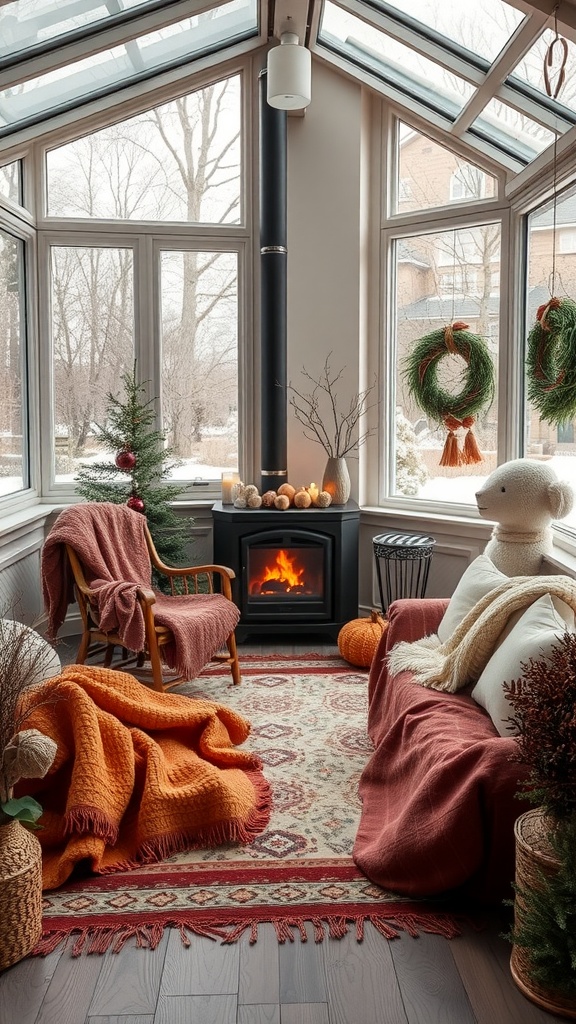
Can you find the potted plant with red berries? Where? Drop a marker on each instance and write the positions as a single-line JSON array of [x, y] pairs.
[[543, 960]]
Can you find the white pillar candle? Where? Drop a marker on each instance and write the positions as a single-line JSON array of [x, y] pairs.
[[229, 482]]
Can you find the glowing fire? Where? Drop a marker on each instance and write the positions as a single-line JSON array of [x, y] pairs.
[[284, 571]]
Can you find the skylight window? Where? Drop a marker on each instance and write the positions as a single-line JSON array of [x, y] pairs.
[[28, 24], [394, 62], [530, 70], [483, 27], [474, 70], [108, 69], [513, 131]]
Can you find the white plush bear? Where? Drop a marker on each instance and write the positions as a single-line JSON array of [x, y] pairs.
[[523, 497]]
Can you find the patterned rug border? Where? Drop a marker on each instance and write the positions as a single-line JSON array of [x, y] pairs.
[[333, 906], [225, 899], [252, 664]]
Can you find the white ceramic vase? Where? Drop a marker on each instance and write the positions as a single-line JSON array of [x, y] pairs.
[[336, 480]]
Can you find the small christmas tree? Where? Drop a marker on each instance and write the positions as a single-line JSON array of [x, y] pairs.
[[136, 473]]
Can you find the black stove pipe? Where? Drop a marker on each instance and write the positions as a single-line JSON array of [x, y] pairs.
[[273, 291]]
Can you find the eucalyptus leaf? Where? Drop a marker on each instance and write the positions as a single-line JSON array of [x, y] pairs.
[[24, 808]]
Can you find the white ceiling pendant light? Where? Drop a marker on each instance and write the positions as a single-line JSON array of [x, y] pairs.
[[289, 74]]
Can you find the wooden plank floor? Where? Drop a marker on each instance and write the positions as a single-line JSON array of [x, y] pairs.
[[428, 980]]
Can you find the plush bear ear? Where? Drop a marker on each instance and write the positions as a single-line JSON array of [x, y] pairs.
[[560, 499]]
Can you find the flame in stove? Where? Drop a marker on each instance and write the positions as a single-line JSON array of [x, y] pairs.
[[284, 571]]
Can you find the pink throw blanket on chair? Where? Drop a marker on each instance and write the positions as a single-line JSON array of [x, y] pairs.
[[111, 545]]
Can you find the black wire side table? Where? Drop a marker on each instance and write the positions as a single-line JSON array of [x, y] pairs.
[[406, 558]]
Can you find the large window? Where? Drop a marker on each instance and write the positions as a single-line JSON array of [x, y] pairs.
[[13, 424], [178, 162], [551, 272], [92, 303], [199, 299], [439, 277], [128, 283]]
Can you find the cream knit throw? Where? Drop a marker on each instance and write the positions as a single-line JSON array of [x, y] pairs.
[[463, 657]]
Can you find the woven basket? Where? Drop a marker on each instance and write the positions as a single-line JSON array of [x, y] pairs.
[[533, 855], [20, 892]]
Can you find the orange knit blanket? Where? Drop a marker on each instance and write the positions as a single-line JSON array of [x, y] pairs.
[[138, 774]]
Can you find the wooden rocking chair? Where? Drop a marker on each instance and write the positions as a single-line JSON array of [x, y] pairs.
[[186, 581]]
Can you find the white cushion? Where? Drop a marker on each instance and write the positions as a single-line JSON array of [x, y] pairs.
[[39, 659], [479, 579], [533, 635]]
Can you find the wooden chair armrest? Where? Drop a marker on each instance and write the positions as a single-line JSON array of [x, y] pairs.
[[189, 570], [196, 570]]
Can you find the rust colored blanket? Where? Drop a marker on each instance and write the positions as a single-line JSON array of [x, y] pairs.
[[138, 774], [110, 542], [439, 793]]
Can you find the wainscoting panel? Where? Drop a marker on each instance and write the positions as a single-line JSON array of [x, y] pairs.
[[20, 590], [457, 544]]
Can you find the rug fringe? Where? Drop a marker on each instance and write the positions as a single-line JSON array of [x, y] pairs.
[[106, 939]]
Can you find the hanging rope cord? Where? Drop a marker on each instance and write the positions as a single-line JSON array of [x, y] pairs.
[[551, 348], [553, 91]]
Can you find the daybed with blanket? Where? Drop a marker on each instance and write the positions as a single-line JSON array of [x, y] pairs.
[[439, 794]]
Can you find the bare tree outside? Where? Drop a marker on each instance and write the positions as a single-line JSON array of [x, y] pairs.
[[11, 297], [178, 163], [10, 181], [199, 353], [93, 324]]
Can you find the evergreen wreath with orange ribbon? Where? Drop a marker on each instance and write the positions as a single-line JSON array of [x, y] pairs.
[[551, 361], [453, 410]]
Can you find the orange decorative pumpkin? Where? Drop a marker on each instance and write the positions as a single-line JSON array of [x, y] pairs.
[[358, 639]]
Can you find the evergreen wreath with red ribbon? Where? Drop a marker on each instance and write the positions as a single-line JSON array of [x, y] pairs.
[[551, 361], [453, 410]]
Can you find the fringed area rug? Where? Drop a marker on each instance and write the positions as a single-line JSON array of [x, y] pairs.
[[308, 715]]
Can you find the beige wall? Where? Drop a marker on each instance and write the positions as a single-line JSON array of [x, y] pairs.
[[324, 187]]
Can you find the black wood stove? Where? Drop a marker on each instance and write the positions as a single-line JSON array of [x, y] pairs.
[[296, 570]]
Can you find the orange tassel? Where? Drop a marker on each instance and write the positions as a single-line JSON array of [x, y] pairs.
[[471, 451], [451, 455]]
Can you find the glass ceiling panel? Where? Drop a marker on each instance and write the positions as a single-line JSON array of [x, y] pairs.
[[28, 23], [482, 27], [393, 62], [530, 71], [105, 71], [512, 131]]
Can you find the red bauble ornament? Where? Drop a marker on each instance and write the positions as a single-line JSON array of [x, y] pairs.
[[125, 460], [135, 503]]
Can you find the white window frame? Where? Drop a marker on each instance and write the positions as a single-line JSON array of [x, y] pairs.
[[146, 247], [145, 238], [17, 222], [400, 226]]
